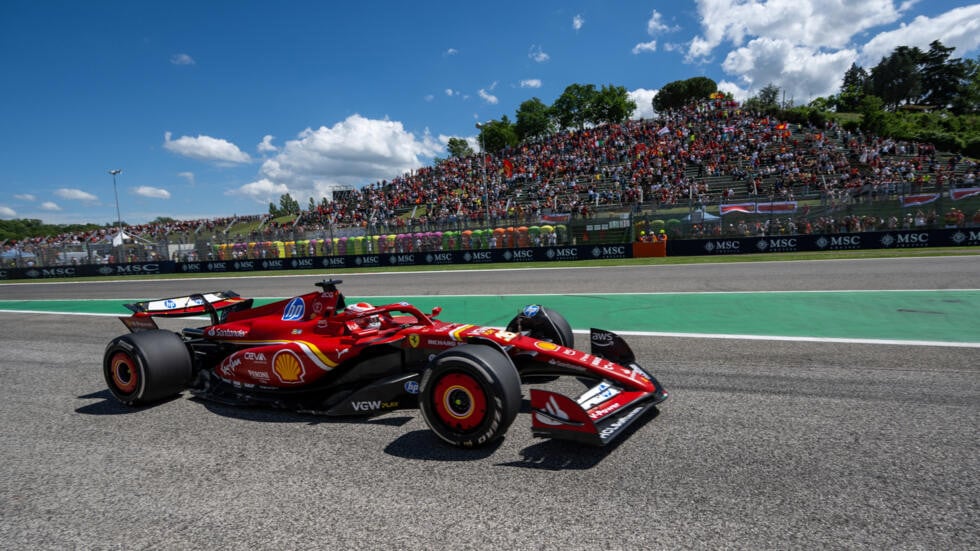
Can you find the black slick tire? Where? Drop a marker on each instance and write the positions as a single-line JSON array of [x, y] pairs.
[[142, 368], [470, 395]]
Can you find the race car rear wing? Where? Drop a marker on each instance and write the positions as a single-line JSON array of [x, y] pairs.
[[216, 304]]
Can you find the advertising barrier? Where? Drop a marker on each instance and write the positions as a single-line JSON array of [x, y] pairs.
[[902, 239], [954, 237]]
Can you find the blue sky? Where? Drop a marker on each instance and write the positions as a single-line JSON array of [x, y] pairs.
[[216, 108]]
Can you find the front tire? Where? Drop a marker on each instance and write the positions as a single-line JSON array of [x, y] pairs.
[[470, 395], [141, 368], [544, 324]]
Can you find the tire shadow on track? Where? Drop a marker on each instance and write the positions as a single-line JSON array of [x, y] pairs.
[[110, 406], [425, 445]]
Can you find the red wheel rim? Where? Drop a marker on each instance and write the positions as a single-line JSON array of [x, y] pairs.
[[124, 374], [460, 401]]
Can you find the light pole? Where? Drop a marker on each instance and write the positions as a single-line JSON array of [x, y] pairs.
[[483, 164], [114, 172]]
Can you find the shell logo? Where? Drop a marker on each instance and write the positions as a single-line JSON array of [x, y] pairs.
[[287, 366], [544, 345]]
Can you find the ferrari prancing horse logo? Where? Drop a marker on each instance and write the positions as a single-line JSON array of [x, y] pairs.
[[413, 340]]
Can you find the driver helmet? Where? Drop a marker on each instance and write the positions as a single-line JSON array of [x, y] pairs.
[[370, 322]]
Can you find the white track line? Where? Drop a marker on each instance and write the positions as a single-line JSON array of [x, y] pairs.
[[876, 342]]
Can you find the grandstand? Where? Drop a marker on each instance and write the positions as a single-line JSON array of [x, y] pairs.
[[709, 169]]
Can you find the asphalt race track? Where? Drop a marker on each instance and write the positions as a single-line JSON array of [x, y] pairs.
[[762, 445]]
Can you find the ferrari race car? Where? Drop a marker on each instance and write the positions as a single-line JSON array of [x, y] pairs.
[[313, 353]]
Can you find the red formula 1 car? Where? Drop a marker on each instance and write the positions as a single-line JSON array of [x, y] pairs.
[[313, 353]]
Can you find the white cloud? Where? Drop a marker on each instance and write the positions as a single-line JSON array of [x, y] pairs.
[[488, 97], [958, 28], [262, 191], [206, 148], [353, 152], [801, 72], [450, 92], [814, 23], [656, 25], [451, 51], [737, 92], [645, 47], [644, 103], [75, 194], [189, 176], [531, 83], [7, 212], [805, 46], [537, 54], [577, 22], [266, 145], [50, 206], [182, 59], [25, 197], [429, 97], [152, 192]]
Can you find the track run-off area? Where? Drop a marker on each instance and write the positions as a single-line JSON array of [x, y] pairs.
[[830, 404]]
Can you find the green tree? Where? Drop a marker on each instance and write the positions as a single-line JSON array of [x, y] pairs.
[[458, 148], [288, 205], [897, 79], [612, 104], [853, 89], [699, 88], [679, 93], [497, 135], [872, 114], [533, 120], [767, 100], [573, 109], [968, 98], [943, 79], [672, 95]]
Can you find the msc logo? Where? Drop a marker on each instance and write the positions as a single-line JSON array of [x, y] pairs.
[[245, 265], [439, 258], [402, 259], [190, 267], [565, 252], [334, 262], [478, 256], [302, 263], [521, 255], [913, 238], [609, 252], [272, 264], [839, 242], [722, 246]]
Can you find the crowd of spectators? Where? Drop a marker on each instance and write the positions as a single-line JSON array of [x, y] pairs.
[[707, 153]]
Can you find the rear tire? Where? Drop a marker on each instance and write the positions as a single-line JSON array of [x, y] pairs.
[[470, 395], [141, 368]]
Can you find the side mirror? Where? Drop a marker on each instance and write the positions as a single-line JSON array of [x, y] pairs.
[[436, 311]]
